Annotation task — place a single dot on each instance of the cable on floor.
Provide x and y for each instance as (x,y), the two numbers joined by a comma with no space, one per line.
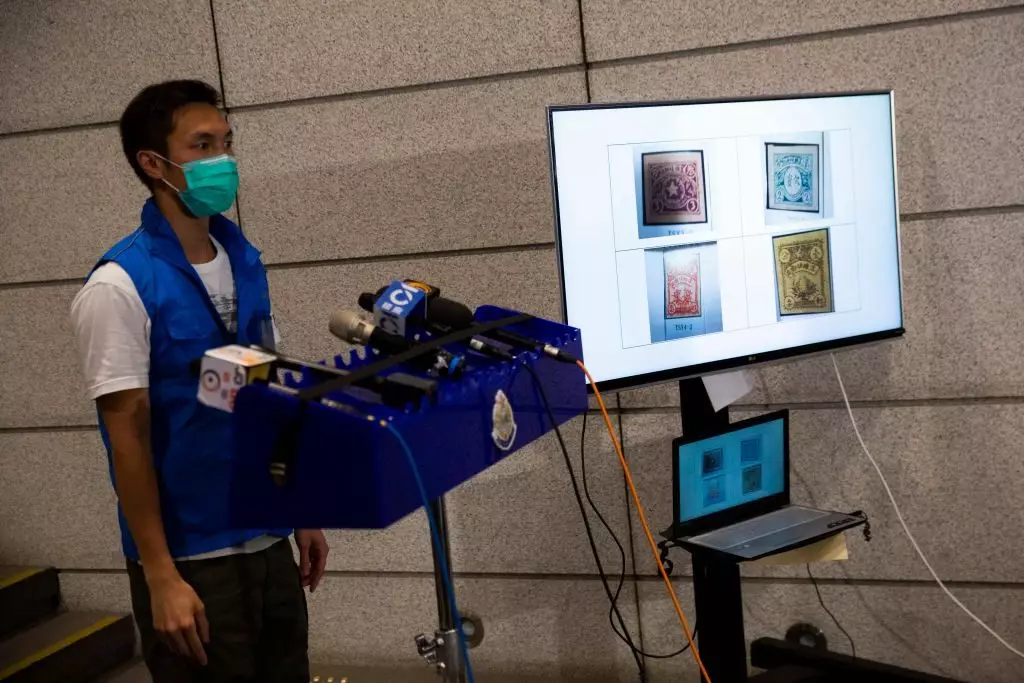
(906,529)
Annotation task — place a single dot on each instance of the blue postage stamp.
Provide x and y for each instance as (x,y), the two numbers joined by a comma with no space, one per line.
(793,176)
(714,490)
(713,461)
(751,479)
(750,450)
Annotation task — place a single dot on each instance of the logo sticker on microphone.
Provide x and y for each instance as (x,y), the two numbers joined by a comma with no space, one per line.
(394,307)
(504,422)
(211,381)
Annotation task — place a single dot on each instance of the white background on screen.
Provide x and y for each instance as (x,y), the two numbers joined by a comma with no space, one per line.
(603,263)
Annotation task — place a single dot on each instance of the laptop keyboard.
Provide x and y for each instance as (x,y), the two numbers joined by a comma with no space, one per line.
(773,522)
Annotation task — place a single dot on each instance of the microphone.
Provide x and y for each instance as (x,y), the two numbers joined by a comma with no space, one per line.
(223,371)
(481,346)
(447,315)
(441,314)
(349,327)
(456,316)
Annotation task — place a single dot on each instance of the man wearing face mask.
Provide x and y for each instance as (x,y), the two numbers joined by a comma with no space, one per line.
(212,603)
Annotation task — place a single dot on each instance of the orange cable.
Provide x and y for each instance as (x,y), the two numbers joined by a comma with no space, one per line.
(643,522)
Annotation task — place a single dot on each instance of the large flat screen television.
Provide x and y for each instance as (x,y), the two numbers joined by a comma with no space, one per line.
(697,237)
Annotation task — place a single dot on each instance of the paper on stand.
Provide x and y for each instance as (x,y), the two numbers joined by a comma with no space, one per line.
(728,387)
(831,549)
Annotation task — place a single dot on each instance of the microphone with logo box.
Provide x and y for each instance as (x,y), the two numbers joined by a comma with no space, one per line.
(350,327)
(224,370)
(441,315)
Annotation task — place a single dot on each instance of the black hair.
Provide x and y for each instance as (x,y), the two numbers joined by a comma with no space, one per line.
(148,120)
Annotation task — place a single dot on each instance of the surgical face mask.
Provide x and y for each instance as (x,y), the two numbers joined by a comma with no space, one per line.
(210,184)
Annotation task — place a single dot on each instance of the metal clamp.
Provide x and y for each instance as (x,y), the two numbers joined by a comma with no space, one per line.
(442,652)
(664,547)
(427,647)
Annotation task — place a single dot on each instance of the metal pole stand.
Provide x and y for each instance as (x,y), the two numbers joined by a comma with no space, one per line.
(442,650)
(719,602)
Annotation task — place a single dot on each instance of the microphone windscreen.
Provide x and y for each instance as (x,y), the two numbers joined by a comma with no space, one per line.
(366,301)
(450,313)
(345,326)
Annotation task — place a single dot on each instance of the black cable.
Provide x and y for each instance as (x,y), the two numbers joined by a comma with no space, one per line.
(583,513)
(612,597)
(814,582)
(622,553)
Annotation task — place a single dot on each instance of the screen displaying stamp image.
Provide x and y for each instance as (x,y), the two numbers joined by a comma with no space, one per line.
(803,276)
(794,176)
(696,237)
(734,480)
(751,479)
(714,491)
(714,460)
(673,188)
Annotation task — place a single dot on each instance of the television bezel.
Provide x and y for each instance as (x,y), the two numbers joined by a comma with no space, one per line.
(728,364)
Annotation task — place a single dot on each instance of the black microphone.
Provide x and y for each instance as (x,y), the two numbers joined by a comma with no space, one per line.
(456,316)
(367,300)
(482,346)
(442,314)
(449,315)
(348,326)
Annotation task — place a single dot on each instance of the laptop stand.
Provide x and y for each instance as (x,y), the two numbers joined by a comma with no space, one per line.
(719,601)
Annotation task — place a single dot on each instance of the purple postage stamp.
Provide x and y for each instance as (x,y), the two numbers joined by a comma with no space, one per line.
(673,188)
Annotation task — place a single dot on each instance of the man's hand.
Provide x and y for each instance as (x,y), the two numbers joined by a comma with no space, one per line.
(179,617)
(177,611)
(312,556)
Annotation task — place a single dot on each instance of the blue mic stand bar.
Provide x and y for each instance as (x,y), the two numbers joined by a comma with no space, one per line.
(309,456)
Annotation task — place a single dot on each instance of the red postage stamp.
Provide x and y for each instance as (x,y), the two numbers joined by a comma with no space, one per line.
(682,284)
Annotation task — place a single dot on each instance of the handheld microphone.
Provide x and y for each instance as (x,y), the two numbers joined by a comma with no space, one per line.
(441,314)
(223,371)
(447,315)
(518,340)
(349,327)
(481,346)
(456,316)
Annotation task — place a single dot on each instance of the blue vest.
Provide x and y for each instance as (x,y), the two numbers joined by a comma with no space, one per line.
(191,443)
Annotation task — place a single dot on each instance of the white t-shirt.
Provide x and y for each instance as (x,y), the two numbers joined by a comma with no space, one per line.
(113,329)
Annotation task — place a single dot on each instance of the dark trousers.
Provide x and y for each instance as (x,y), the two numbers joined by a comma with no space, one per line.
(257,614)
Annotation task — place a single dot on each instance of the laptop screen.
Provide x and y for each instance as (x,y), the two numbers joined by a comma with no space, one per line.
(727,470)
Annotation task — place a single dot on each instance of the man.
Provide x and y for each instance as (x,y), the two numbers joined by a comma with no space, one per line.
(211,602)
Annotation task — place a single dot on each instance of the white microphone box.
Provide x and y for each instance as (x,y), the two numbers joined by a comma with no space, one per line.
(227,369)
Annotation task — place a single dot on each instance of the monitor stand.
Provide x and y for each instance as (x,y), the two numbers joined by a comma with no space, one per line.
(716,582)
(719,602)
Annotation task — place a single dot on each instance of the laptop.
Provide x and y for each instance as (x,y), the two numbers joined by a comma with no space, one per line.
(731,493)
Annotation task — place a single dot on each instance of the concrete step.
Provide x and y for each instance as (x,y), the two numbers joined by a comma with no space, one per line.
(340,673)
(324,673)
(27,595)
(134,671)
(73,647)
